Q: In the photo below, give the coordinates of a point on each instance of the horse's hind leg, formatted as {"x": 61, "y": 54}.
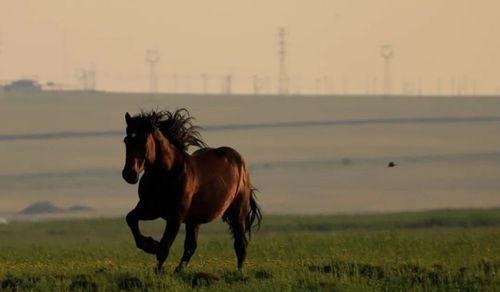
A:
{"x": 189, "y": 245}
{"x": 236, "y": 216}
{"x": 240, "y": 242}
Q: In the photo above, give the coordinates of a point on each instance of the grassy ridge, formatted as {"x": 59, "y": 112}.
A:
{"x": 434, "y": 250}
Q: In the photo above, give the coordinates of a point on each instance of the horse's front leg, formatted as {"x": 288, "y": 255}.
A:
{"x": 147, "y": 244}
{"x": 166, "y": 241}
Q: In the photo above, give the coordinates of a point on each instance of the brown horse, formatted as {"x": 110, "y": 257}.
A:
{"x": 183, "y": 188}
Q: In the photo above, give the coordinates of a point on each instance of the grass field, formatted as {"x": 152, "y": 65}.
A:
{"x": 434, "y": 250}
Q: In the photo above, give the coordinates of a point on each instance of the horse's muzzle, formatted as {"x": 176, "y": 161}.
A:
{"x": 131, "y": 176}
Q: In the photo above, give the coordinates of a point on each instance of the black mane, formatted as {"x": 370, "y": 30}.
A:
{"x": 176, "y": 126}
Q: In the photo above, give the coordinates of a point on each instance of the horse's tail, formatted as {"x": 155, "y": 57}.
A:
{"x": 254, "y": 213}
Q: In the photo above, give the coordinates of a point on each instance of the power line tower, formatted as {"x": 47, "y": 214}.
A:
{"x": 86, "y": 78}
{"x": 152, "y": 58}
{"x": 387, "y": 52}
{"x": 283, "y": 81}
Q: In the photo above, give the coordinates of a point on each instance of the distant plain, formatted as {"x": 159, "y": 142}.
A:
{"x": 325, "y": 161}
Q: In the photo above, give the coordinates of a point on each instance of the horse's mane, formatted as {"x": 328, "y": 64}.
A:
{"x": 176, "y": 126}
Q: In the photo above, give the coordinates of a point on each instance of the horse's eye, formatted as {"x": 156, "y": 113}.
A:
{"x": 133, "y": 135}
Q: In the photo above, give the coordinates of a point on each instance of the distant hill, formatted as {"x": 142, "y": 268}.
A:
{"x": 46, "y": 207}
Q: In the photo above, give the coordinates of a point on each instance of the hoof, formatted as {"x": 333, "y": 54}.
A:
{"x": 241, "y": 276}
{"x": 158, "y": 270}
{"x": 180, "y": 268}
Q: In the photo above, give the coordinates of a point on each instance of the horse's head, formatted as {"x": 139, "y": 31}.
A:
{"x": 139, "y": 145}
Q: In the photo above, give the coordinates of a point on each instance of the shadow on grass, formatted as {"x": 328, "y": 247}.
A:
{"x": 202, "y": 279}
{"x": 83, "y": 283}
{"x": 127, "y": 282}
{"x": 408, "y": 275}
{"x": 18, "y": 284}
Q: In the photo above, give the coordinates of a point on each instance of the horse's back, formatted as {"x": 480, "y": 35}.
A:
{"x": 223, "y": 151}
{"x": 215, "y": 163}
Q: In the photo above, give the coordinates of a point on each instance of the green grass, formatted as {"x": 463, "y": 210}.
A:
{"x": 435, "y": 250}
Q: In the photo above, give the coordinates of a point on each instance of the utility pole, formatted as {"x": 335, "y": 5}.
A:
{"x": 474, "y": 87}
{"x": 1, "y": 47}
{"x": 176, "y": 82}
{"x": 375, "y": 85}
{"x": 420, "y": 89}
{"x": 227, "y": 84}
{"x": 317, "y": 83}
{"x": 204, "y": 80}
{"x": 283, "y": 80}
{"x": 257, "y": 84}
{"x": 1, "y": 85}
{"x": 188, "y": 83}
{"x": 438, "y": 86}
{"x": 267, "y": 84}
{"x": 346, "y": 86}
{"x": 326, "y": 87}
{"x": 152, "y": 58}
{"x": 453, "y": 86}
{"x": 91, "y": 77}
{"x": 387, "y": 52}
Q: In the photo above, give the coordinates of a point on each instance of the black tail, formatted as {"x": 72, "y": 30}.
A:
{"x": 254, "y": 214}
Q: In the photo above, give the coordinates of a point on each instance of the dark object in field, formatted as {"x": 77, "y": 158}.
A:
{"x": 351, "y": 269}
{"x": 263, "y": 274}
{"x": 204, "y": 279}
{"x": 82, "y": 283}
{"x": 435, "y": 276}
{"x": 230, "y": 277}
{"x": 18, "y": 284}
{"x": 185, "y": 188}
{"x": 11, "y": 284}
{"x": 391, "y": 164}
{"x": 129, "y": 283}
{"x": 101, "y": 270}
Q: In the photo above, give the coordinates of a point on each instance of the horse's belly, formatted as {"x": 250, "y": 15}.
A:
{"x": 205, "y": 208}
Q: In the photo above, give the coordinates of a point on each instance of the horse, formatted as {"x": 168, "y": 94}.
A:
{"x": 185, "y": 188}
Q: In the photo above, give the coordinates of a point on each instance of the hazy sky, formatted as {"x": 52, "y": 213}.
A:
{"x": 341, "y": 40}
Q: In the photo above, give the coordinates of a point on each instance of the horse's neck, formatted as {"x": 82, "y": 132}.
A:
{"x": 167, "y": 156}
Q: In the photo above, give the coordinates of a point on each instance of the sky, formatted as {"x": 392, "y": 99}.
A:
{"x": 332, "y": 46}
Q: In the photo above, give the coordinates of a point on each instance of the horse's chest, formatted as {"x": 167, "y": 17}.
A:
{"x": 159, "y": 195}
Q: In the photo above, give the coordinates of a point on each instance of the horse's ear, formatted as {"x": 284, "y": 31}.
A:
{"x": 127, "y": 117}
